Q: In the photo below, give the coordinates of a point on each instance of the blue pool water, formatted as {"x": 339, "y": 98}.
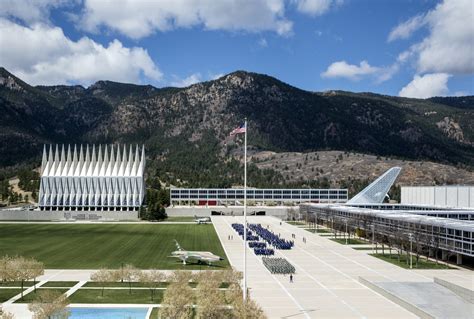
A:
{"x": 108, "y": 313}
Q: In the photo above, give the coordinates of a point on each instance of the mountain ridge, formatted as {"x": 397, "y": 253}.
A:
{"x": 183, "y": 122}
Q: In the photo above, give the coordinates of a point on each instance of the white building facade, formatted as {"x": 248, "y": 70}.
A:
{"x": 92, "y": 178}
{"x": 457, "y": 196}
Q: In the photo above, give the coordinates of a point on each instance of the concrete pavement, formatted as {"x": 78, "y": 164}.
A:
{"x": 326, "y": 282}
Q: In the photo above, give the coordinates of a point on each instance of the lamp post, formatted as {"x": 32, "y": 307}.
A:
{"x": 410, "y": 235}
{"x": 346, "y": 231}
{"x": 316, "y": 222}
{"x": 373, "y": 237}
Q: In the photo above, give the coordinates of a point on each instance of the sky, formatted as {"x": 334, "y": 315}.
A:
{"x": 412, "y": 48}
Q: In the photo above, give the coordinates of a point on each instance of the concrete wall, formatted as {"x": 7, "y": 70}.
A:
{"x": 36, "y": 215}
{"x": 277, "y": 211}
{"x": 462, "y": 292}
{"x": 399, "y": 301}
{"x": 448, "y": 196}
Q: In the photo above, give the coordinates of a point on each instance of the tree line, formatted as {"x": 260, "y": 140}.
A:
{"x": 208, "y": 300}
{"x": 204, "y": 294}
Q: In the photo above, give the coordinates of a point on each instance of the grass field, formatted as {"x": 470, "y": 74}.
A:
{"x": 422, "y": 262}
{"x": 92, "y": 246}
{"x": 319, "y": 230}
{"x": 59, "y": 284}
{"x": 141, "y": 296}
{"x": 7, "y": 293}
{"x": 178, "y": 219}
{"x": 295, "y": 223}
{"x": 93, "y": 284}
{"x": 15, "y": 284}
{"x": 28, "y": 298}
{"x": 350, "y": 241}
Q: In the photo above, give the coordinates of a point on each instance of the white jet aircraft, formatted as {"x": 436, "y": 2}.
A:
{"x": 199, "y": 256}
{"x": 202, "y": 220}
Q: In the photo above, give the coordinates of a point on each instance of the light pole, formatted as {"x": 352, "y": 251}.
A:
{"x": 373, "y": 237}
{"x": 410, "y": 235}
{"x": 346, "y": 231}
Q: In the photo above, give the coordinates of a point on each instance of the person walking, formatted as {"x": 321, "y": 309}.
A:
{"x": 291, "y": 278}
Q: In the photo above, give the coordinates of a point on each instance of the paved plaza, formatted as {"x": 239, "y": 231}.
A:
{"x": 326, "y": 284}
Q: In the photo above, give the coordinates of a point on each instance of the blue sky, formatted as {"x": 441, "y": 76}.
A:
{"x": 404, "y": 47}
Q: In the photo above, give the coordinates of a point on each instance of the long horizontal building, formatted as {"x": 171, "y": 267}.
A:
{"x": 233, "y": 196}
{"x": 436, "y": 228}
{"x": 92, "y": 178}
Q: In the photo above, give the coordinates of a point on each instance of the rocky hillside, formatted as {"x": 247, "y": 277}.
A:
{"x": 338, "y": 165}
{"x": 185, "y": 129}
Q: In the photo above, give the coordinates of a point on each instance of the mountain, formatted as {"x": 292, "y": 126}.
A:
{"x": 185, "y": 129}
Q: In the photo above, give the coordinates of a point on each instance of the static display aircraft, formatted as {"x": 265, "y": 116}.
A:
{"x": 199, "y": 256}
{"x": 202, "y": 220}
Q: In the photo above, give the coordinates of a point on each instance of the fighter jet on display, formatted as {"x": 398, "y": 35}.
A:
{"x": 199, "y": 256}
{"x": 202, "y": 220}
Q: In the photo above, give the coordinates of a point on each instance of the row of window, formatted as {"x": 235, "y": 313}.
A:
{"x": 256, "y": 196}
{"x": 448, "y": 238}
{"x": 259, "y": 191}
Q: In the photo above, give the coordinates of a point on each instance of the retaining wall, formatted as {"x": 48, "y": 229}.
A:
{"x": 37, "y": 215}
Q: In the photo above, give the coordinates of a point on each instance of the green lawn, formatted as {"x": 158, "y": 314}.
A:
{"x": 7, "y": 293}
{"x": 92, "y": 284}
{"x": 350, "y": 241}
{"x": 295, "y": 222}
{"x": 92, "y": 246}
{"x": 179, "y": 219}
{"x": 60, "y": 284}
{"x": 33, "y": 295}
{"x": 363, "y": 248}
{"x": 154, "y": 313}
{"x": 16, "y": 284}
{"x": 422, "y": 262}
{"x": 115, "y": 296}
{"x": 319, "y": 231}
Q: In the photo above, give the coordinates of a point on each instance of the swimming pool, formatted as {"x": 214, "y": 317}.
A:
{"x": 108, "y": 313}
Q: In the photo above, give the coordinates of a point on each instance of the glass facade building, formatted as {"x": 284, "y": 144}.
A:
{"x": 227, "y": 195}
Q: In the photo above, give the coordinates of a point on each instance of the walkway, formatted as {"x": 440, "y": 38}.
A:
{"x": 326, "y": 282}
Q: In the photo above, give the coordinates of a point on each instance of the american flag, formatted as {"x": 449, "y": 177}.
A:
{"x": 239, "y": 130}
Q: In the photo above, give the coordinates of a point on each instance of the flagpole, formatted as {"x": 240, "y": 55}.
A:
{"x": 245, "y": 212}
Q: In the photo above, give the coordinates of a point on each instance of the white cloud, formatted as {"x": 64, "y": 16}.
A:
{"x": 316, "y": 7}
{"x": 354, "y": 72}
{"x": 190, "y": 80}
{"x": 342, "y": 69}
{"x": 140, "y": 18}
{"x": 449, "y": 46}
{"x": 29, "y": 11}
{"x": 405, "y": 29}
{"x": 263, "y": 43}
{"x": 426, "y": 86}
{"x": 42, "y": 54}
